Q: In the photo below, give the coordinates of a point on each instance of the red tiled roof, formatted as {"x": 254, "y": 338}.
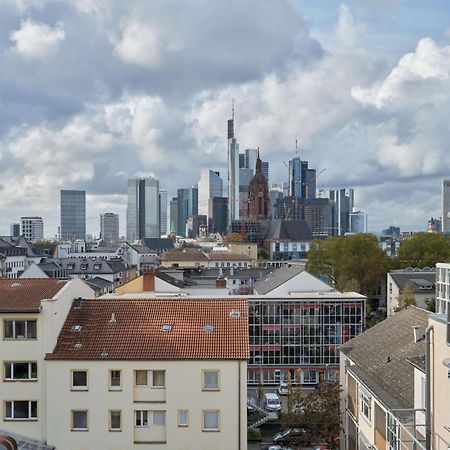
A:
{"x": 136, "y": 330}
{"x": 25, "y": 294}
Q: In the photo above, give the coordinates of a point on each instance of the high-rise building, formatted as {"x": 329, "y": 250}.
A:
{"x": 14, "y": 229}
{"x": 258, "y": 195}
{"x": 358, "y": 221}
{"x": 32, "y": 228}
{"x": 210, "y": 185}
{"x": 445, "y": 206}
{"x": 265, "y": 170}
{"x": 342, "y": 201}
{"x": 143, "y": 209}
{"x": 218, "y": 215}
{"x": 73, "y": 215}
{"x": 163, "y": 210}
{"x": 233, "y": 173}
{"x": 173, "y": 215}
{"x": 302, "y": 180}
{"x": 187, "y": 206}
{"x": 109, "y": 227}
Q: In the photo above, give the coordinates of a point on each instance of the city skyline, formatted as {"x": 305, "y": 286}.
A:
{"x": 327, "y": 75}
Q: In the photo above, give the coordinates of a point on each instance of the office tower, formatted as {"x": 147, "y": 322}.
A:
{"x": 163, "y": 210}
{"x": 187, "y": 206}
{"x": 14, "y": 229}
{"x": 73, "y": 215}
{"x": 233, "y": 173}
{"x": 302, "y": 180}
{"x": 210, "y": 185}
{"x": 32, "y": 228}
{"x": 265, "y": 170}
{"x": 274, "y": 196}
{"x": 194, "y": 224}
{"x": 358, "y": 221}
{"x": 342, "y": 201}
{"x": 250, "y": 157}
{"x": 445, "y": 206}
{"x": 258, "y": 195}
{"x": 174, "y": 215}
{"x": 434, "y": 225}
{"x": 241, "y": 160}
{"x": 143, "y": 220}
{"x": 109, "y": 228}
{"x": 218, "y": 215}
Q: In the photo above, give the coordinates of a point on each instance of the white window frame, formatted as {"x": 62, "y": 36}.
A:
{"x": 73, "y": 416}
{"x": 158, "y": 386}
{"x": 81, "y": 387}
{"x": 208, "y": 371}
{"x": 135, "y": 378}
{"x": 15, "y": 337}
{"x": 309, "y": 380}
{"x": 111, "y": 412}
{"x": 365, "y": 403}
{"x": 13, "y": 378}
{"x": 207, "y": 411}
{"x": 142, "y": 415}
{"x": 114, "y": 387}
{"x": 184, "y": 423}
{"x": 20, "y": 419}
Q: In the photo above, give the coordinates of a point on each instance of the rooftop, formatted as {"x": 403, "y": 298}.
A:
{"x": 382, "y": 354}
{"x": 26, "y": 294}
{"x": 133, "y": 329}
{"x": 278, "y": 277}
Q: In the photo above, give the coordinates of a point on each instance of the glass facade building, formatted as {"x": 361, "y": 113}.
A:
{"x": 300, "y": 337}
{"x": 109, "y": 227}
{"x": 73, "y": 215}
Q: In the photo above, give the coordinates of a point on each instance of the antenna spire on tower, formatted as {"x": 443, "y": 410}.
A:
{"x": 232, "y": 108}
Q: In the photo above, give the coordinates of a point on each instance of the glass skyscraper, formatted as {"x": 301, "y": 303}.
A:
{"x": 73, "y": 215}
{"x": 109, "y": 227}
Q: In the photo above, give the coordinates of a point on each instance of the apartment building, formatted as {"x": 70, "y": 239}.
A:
{"x": 135, "y": 373}
{"x": 377, "y": 378}
{"x": 32, "y": 312}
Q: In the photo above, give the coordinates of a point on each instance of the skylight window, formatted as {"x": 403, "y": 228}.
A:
{"x": 76, "y": 328}
{"x": 208, "y": 328}
{"x": 235, "y": 313}
{"x": 166, "y": 328}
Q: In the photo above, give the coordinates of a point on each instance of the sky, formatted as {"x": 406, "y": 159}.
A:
{"x": 93, "y": 92}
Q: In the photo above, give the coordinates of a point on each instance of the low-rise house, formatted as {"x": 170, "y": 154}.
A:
{"x": 32, "y": 313}
{"x": 418, "y": 282}
{"x": 138, "y": 373}
{"x": 378, "y": 383}
{"x": 194, "y": 259}
{"x": 47, "y": 268}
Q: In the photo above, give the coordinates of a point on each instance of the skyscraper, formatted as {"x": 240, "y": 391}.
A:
{"x": 210, "y": 186}
{"x": 445, "y": 206}
{"x": 173, "y": 215}
{"x": 218, "y": 215}
{"x": 342, "y": 202}
{"x": 109, "y": 227}
{"x": 14, "y": 229}
{"x": 187, "y": 206}
{"x": 143, "y": 209}
{"x": 358, "y": 221}
{"x": 233, "y": 173}
{"x": 163, "y": 210}
{"x": 32, "y": 228}
{"x": 73, "y": 215}
{"x": 302, "y": 180}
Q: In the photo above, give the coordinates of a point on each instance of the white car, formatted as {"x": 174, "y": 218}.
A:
{"x": 282, "y": 388}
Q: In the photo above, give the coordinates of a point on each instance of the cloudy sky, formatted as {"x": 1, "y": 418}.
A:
{"x": 93, "y": 92}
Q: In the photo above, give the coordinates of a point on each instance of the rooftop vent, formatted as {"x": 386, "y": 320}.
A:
{"x": 104, "y": 353}
{"x": 77, "y": 345}
{"x": 14, "y": 285}
{"x": 166, "y": 328}
{"x": 113, "y": 318}
{"x": 208, "y": 328}
{"x": 235, "y": 313}
{"x": 78, "y": 303}
{"x": 76, "y": 328}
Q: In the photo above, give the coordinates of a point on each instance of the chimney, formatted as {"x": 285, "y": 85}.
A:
{"x": 149, "y": 279}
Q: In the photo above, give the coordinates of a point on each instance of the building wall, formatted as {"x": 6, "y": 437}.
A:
{"x": 183, "y": 391}
{"x": 445, "y": 214}
{"x": 244, "y": 248}
{"x": 73, "y": 215}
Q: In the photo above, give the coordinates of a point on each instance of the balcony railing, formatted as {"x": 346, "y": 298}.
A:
{"x": 406, "y": 429}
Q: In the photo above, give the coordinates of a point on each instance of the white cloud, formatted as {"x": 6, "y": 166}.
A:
{"x": 36, "y": 40}
{"x": 346, "y": 29}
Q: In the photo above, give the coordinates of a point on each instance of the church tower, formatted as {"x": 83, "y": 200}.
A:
{"x": 258, "y": 195}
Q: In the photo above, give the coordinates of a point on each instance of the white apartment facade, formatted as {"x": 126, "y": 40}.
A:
{"x": 32, "y": 228}
{"x": 32, "y": 312}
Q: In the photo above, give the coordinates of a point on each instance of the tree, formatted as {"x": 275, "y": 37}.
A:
{"x": 318, "y": 414}
{"x": 423, "y": 250}
{"x": 233, "y": 237}
{"x": 431, "y": 305}
{"x": 350, "y": 262}
{"x": 405, "y": 298}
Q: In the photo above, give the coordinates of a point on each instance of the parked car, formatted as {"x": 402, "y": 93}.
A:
{"x": 288, "y": 436}
{"x": 272, "y": 402}
{"x": 282, "y": 388}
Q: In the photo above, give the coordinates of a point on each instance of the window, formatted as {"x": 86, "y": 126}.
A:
{"x": 115, "y": 383}
{"x": 183, "y": 418}
{"x": 211, "y": 420}
{"x": 16, "y": 371}
{"x": 159, "y": 378}
{"x": 365, "y": 404}
{"x": 141, "y": 419}
{"x": 141, "y": 378}
{"x": 21, "y": 410}
{"x": 80, "y": 420}
{"x": 115, "y": 421}
{"x": 309, "y": 377}
{"x": 20, "y": 329}
{"x": 159, "y": 417}
{"x": 79, "y": 380}
{"x": 211, "y": 380}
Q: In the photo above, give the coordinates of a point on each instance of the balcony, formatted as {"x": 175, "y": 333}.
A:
{"x": 405, "y": 429}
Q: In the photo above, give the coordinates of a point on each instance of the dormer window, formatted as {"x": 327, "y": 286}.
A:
{"x": 97, "y": 266}
{"x": 83, "y": 266}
